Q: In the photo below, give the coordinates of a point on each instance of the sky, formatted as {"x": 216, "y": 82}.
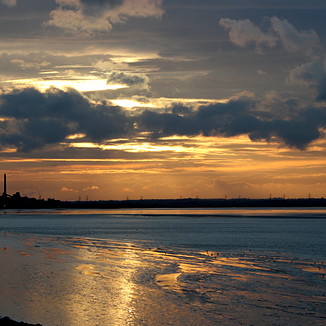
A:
{"x": 116, "y": 99}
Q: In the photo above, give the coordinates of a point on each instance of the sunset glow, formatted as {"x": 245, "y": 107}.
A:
{"x": 161, "y": 99}
{"x": 84, "y": 85}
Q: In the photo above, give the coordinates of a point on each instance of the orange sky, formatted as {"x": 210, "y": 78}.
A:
{"x": 163, "y": 99}
{"x": 206, "y": 167}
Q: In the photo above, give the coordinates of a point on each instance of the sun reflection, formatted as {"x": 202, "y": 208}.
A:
{"x": 108, "y": 289}
{"x": 88, "y": 281}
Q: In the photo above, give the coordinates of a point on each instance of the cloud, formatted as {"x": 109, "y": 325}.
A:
{"x": 321, "y": 88}
{"x": 35, "y": 64}
{"x": 309, "y": 72}
{"x": 31, "y": 120}
{"x": 292, "y": 39}
{"x": 67, "y": 189}
{"x": 89, "y": 16}
{"x": 75, "y": 21}
{"x": 313, "y": 74}
{"x": 238, "y": 117}
{"x": 282, "y": 33}
{"x": 128, "y": 79}
{"x": 245, "y": 32}
{"x": 9, "y": 3}
{"x": 91, "y": 188}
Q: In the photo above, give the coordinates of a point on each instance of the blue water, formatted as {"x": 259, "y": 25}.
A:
{"x": 297, "y": 232}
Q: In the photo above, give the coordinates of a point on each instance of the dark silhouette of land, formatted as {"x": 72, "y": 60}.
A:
{"x": 6, "y": 321}
{"x": 199, "y": 203}
{"x": 16, "y": 201}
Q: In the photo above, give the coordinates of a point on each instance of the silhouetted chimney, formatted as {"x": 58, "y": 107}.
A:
{"x": 4, "y": 185}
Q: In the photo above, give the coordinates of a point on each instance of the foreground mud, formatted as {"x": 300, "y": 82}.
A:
{"x": 79, "y": 281}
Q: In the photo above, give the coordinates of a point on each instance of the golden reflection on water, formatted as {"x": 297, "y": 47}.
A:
{"x": 220, "y": 212}
{"x": 92, "y": 282}
{"x": 108, "y": 289}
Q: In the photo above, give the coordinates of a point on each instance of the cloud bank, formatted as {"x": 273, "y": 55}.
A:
{"x": 31, "y": 120}
{"x": 239, "y": 117}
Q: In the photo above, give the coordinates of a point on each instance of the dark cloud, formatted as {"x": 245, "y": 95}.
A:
{"x": 128, "y": 79}
{"x": 312, "y": 74}
{"x": 321, "y": 88}
{"x": 238, "y": 117}
{"x": 32, "y": 120}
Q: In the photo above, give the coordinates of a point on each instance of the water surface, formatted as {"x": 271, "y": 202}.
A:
{"x": 296, "y": 231}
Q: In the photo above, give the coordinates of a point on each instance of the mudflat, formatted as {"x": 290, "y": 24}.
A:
{"x": 82, "y": 281}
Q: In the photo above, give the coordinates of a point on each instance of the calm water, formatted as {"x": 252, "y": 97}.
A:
{"x": 301, "y": 232}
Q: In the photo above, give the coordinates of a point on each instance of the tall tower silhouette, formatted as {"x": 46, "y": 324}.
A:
{"x": 4, "y": 185}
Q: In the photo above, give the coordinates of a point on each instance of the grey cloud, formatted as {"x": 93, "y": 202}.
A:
{"x": 221, "y": 119}
{"x": 295, "y": 134}
{"x": 180, "y": 109}
{"x": 313, "y": 74}
{"x": 89, "y": 17}
{"x": 292, "y": 39}
{"x": 245, "y": 32}
{"x": 32, "y": 120}
{"x": 308, "y": 72}
{"x": 128, "y": 79}
{"x": 235, "y": 118}
{"x": 321, "y": 88}
{"x": 37, "y": 119}
{"x": 9, "y": 3}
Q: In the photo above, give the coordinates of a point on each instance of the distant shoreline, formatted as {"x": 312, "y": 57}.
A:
{"x": 33, "y": 203}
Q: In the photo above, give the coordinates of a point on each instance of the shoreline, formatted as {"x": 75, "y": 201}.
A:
{"x": 18, "y": 202}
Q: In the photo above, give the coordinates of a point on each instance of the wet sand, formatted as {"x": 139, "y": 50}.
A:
{"x": 77, "y": 281}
